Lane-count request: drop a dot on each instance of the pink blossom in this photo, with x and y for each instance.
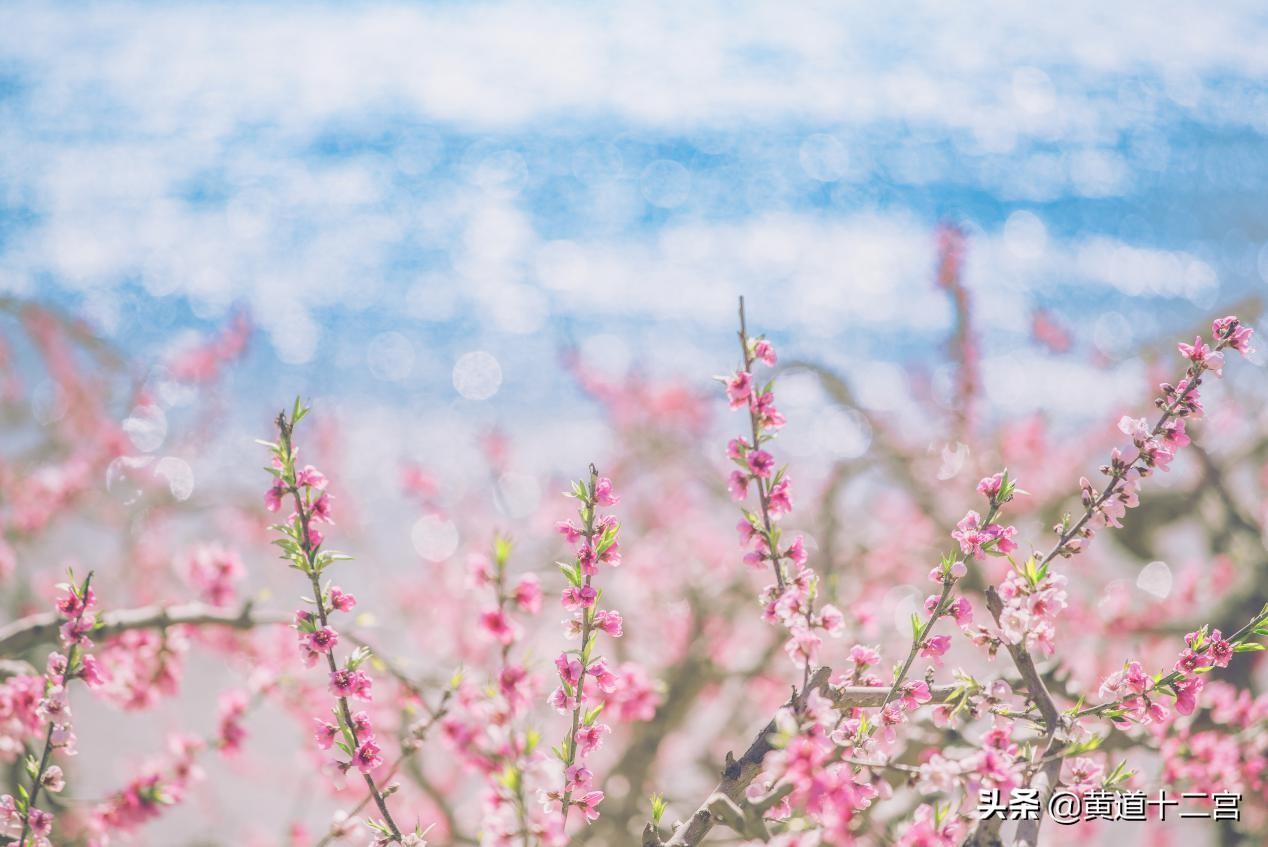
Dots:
(1235, 332)
(761, 463)
(325, 733)
(609, 622)
(368, 756)
(273, 496)
(310, 477)
(496, 624)
(603, 493)
(527, 594)
(779, 498)
(321, 508)
(604, 678)
(562, 701)
(589, 804)
(991, 486)
(40, 822)
(569, 531)
(739, 388)
(354, 684)
(1198, 353)
(590, 737)
(341, 601)
(577, 778)
(764, 351)
(1187, 691)
(569, 669)
(53, 779)
(768, 417)
(935, 646)
(579, 597)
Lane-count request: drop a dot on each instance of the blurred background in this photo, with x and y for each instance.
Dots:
(492, 242)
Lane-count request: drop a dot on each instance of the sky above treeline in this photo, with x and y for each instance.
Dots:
(435, 199)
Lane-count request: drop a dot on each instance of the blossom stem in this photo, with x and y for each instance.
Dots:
(763, 493)
(940, 609)
(587, 627)
(1119, 474)
(304, 511)
(1239, 637)
(414, 744)
(37, 780)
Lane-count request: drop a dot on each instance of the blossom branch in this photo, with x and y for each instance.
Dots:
(20, 813)
(597, 543)
(301, 543)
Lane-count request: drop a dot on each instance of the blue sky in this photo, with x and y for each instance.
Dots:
(507, 177)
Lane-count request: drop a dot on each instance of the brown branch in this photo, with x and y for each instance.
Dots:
(21, 635)
(1028, 830)
(739, 773)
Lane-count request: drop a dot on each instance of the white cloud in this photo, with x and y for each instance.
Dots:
(995, 70)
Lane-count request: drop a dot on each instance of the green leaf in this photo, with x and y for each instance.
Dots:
(658, 808)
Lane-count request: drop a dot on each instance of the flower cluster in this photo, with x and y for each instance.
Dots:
(20, 818)
(216, 572)
(808, 765)
(1133, 693)
(489, 732)
(1033, 597)
(595, 543)
(301, 543)
(790, 600)
(1155, 447)
(159, 785)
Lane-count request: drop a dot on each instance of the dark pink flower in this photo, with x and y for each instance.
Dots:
(368, 756)
(739, 388)
(341, 601)
(603, 493)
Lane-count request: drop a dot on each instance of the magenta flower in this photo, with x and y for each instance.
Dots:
(528, 594)
(579, 597)
(273, 496)
(310, 477)
(609, 622)
(990, 486)
(935, 647)
(589, 805)
(321, 640)
(761, 463)
(569, 531)
(341, 601)
(1200, 354)
(739, 388)
(764, 351)
(590, 737)
(780, 498)
(603, 494)
(321, 508)
(569, 669)
(1237, 334)
(41, 822)
(325, 733)
(577, 778)
(496, 623)
(368, 756)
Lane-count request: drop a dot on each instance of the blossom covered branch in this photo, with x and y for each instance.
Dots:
(301, 542)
